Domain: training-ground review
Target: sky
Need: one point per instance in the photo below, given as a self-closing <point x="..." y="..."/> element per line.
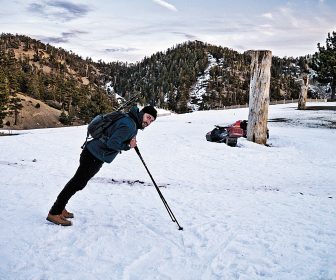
<point x="130" y="30"/>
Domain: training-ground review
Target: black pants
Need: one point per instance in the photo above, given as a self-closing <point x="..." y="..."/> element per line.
<point x="88" y="167"/>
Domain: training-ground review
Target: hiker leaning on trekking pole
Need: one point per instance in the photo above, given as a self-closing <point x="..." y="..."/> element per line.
<point x="120" y="136"/>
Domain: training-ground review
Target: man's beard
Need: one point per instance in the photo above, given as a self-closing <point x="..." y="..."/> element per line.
<point x="144" y="125"/>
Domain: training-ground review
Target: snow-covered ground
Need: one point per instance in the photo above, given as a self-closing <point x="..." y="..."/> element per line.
<point x="248" y="212"/>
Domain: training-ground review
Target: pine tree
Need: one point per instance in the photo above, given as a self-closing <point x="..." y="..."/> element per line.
<point x="14" y="107"/>
<point x="324" y="62"/>
<point x="4" y="96"/>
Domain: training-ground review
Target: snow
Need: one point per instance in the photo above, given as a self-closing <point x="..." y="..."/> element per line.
<point x="198" y="90"/>
<point x="248" y="212"/>
<point x="110" y="91"/>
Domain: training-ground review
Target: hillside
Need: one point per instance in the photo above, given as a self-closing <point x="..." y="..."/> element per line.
<point x="39" y="58"/>
<point x="34" y="114"/>
<point x="190" y="76"/>
<point x="51" y="75"/>
<point x="167" y="79"/>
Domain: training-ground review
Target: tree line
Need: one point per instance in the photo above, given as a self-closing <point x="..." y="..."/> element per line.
<point x="76" y="85"/>
<point x="51" y="75"/>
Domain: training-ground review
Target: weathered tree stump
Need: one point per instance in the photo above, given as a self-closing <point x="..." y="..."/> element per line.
<point x="303" y="93"/>
<point x="259" y="95"/>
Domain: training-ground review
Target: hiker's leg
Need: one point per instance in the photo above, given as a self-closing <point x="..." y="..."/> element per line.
<point x="88" y="167"/>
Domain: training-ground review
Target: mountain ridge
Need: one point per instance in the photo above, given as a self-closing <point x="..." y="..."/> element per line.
<point x="165" y="79"/>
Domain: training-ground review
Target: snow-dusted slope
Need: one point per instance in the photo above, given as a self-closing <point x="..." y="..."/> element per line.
<point x="198" y="90"/>
<point x="250" y="212"/>
<point x="110" y="91"/>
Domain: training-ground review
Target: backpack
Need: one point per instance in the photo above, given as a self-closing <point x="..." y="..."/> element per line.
<point x="218" y="134"/>
<point x="98" y="125"/>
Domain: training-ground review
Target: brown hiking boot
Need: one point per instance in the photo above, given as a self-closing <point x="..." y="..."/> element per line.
<point x="67" y="215"/>
<point x="58" y="220"/>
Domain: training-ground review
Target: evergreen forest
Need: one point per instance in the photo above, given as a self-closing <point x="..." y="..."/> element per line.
<point x="77" y="86"/>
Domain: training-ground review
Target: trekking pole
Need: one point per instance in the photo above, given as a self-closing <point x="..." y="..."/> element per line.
<point x="158" y="190"/>
<point x="134" y="98"/>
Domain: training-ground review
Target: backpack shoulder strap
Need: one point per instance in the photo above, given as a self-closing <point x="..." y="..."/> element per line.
<point x="110" y="119"/>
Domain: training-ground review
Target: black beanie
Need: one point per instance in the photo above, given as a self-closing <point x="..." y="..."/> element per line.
<point x="150" y="110"/>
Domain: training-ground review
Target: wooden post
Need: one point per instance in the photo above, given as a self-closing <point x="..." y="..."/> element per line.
<point x="259" y="96"/>
<point x="303" y="93"/>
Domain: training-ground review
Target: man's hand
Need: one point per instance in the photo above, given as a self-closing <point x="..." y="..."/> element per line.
<point x="133" y="143"/>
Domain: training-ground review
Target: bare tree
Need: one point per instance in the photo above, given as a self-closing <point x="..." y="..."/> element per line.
<point x="259" y="95"/>
<point x="303" y="93"/>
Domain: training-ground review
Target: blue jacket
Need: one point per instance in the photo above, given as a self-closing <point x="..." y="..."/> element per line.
<point x="119" y="135"/>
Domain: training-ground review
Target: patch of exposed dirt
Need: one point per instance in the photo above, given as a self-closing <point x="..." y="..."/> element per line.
<point x="34" y="116"/>
<point x="20" y="52"/>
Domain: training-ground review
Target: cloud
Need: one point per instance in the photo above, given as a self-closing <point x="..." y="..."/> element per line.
<point x="165" y="5"/>
<point x="112" y="50"/>
<point x="64" y="38"/>
<point x="59" y="10"/>
<point x="267" y="15"/>
<point x="186" y="35"/>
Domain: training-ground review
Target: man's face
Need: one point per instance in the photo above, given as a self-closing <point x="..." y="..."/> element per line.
<point x="147" y="120"/>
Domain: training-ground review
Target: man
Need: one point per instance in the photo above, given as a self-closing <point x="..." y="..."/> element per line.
<point x="121" y="136"/>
